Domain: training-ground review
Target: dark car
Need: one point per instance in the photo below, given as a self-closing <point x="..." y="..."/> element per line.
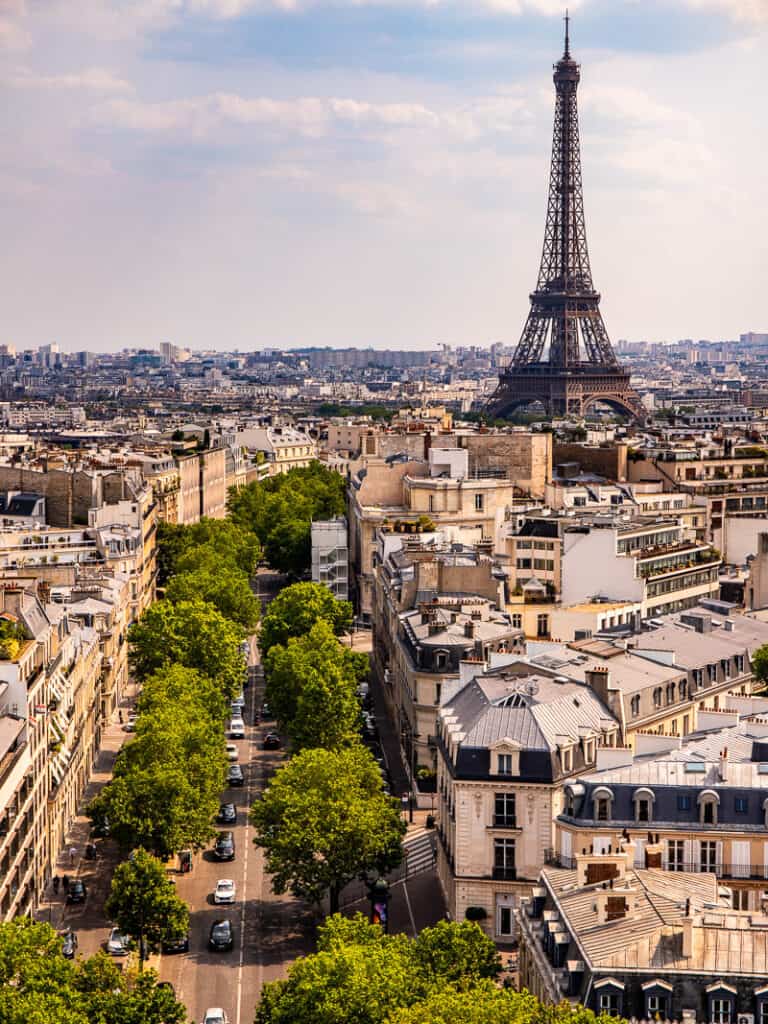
<point x="100" y="828"/>
<point x="272" y="741"/>
<point x="266" y="714"/>
<point x="76" y="892"/>
<point x="68" y="944"/>
<point x="176" y="944"/>
<point x="224" y="847"/>
<point x="227" y="814"/>
<point x="222" y="936"/>
<point x="235" y="775"/>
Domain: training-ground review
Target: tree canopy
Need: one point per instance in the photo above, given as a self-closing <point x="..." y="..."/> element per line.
<point x="144" y="905"/>
<point x="759" y="661"/>
<point x="446" y="975"/>
<point x="190" y="633"/>
<point x="226" y="587"/>
<point x="323" y="820"/>
<point x="296" y="609"/>
<point x="181" y="548"/>
<point x="177" y="686"/>
<point x="39" y="986"/>
<point x="311" y="689"/>
<point x="280" y="511"/>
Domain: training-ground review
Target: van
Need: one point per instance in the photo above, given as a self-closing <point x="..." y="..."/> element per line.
<point x="237" y="729"/>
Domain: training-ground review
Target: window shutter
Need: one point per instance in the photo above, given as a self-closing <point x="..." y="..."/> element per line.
<point x="688" y="860"/>
<point x="719" y="858"/>
<point x="600" y="844"/>
<point x="566" y="847"/>
<point x="639" y="853"/>
<point x="765" y="860"/>
<point x="696" y="851"/>
<point x="740" y="857"/>
<point x="665" y="855"/>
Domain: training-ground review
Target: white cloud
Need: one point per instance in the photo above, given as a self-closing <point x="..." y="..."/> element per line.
<point x="631" y="106"/>
<point x="741" y="10"/>
<point x="13" y="35"/>
<point x="93" y="79"/>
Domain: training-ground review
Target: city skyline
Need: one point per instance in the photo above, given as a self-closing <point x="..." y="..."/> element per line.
<point x="231" y="174"/>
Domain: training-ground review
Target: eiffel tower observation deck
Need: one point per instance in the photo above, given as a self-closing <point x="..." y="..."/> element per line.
<point x="565" y="359"/>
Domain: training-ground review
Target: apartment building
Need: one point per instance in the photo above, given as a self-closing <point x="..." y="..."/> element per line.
<point x="507" y="741"/>
<point x="648" y="561"/>
<point x="642" y="944"/>
<point x="443" y="493"/>
<point x="699" y="805"/>
<point x="330" y="556"/>
<point x="283" y="448"/>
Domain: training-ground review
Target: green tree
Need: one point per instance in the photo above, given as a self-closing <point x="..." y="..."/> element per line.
<point x="190" y="633"/>
<point x="171" y="543"/>
<point x="144" y="905"/>
<point x="180" y="687"/>
<point x="38" y="986"/>
<point x="179" y="547"/>
<point x="311" y="689"/>
<point x="288" y="546"/>
<point x="760" y="664"/>
<point x="454" y="953"/>
<point x="297" y="608"/>
<point x="482" y="1003"/>
<point x="226" y="588"/>
<point x="323" y="820"/>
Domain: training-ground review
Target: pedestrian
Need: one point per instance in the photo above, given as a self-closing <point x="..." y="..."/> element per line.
<point x="56" y="882"/>
<point x="72" y="856"/>
<point x="120" y="717"/>
<point x="65" y="881"/>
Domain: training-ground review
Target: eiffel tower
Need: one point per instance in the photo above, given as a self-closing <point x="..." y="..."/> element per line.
<point x="564" y="358"/>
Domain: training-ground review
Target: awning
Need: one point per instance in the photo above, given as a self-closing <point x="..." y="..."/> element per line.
<point x="62" y="721"/>
<point x="56" y="685"/>
<point x="56" y="771"/>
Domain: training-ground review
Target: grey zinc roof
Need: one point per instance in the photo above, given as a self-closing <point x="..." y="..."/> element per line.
<point x="537" y="721"/>
<point x="725" y="941"/>
<point x="691" y="649"/>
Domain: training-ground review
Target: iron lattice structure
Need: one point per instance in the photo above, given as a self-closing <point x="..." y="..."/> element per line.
<point x="564" y="358"/>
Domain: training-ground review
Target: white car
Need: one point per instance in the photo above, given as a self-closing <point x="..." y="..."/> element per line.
<point x="117" y="943"/>
<point x="215" y="1015"/>
<point x="225" y="891"/>
<point x="239" y="702"/>
<point x="232" y="753"/>
<point x="237" y="729"/>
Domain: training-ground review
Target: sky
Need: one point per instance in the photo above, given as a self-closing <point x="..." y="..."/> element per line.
<point x="236" y="174"/>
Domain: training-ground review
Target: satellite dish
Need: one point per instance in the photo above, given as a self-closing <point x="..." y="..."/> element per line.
<point x="531" y="688"/>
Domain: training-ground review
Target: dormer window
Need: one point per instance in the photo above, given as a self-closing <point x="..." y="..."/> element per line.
<point x="441" y="660"/>
<point x="505" y="758"/>
<point x="602" y="802"/>
<point x="708" y="802"/>
<point x="566" y="758"/>
<point x="589" y="751"/>
<point x="643" y="801"/>
<point x="634" y="705"/>
<point x="504" y="764"/>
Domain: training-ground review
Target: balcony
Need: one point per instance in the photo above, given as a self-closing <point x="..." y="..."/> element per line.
<point x="504" y="821"/>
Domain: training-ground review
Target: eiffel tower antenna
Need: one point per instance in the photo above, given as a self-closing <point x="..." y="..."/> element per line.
<point x="564" y="358"/>
<point x="567" y="50"/>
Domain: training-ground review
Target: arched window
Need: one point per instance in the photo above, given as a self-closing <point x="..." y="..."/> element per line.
<point x="670" y="693"/>
<point x="708" y="802"/>
<point x="634" y="705"/>
<point x="657" y="697"/>
<point x="441" y="659"/>
<point x="602" y="803"/>
<point x="643" y="800"/>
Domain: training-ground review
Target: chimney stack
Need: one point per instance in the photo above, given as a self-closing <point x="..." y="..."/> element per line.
<point x="724" y="764"/>
<point x="469" y="630"/>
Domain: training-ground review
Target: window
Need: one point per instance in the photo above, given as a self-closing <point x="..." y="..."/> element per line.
<point x="505" y="764"/>
<point x="656" y="1006"/>
<point x="675" y="855"/>
<point x="566" y="759"/>
<point x="524" y="563"/>
<point x="721" y="1011"/>
<point x="643" y="810"/>
<point x="504" y="859"/>
<point x="657" y="697"/>
<point x="431" y="503"/>
<point x="683" y="689"/>
<point x="712" y="673"/>
<point x="740" y="900"/>
<point x="608" y="1002"/>
<point x="741" y="805"/>
<point x="506" y="922"/>
<point x="579" y="501"/>
<point x="762" y="1012"/>
<point x="634" y="705"/>
<point x="739" y="658"/>
<point x="438" y="692"/>
<point x="589" y="751"/>
<point x="697" y="677"/>
<point x="603" y="809"/>
<point x="671" y="693"/>
<point x="504" y="810"/>
<point x="517" y="621"/>
<point x="479" y="502"/>
<point x="542" y="625"/>
<point x="708" y="860"/>
<point x="708" y="808"/>
<point x="683" y="803"/>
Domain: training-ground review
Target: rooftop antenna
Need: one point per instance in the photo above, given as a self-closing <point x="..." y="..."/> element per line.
<point x="567" y="20"/>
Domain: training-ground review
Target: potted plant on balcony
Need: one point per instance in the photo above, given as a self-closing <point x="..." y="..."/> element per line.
<point x="476" y="913"/>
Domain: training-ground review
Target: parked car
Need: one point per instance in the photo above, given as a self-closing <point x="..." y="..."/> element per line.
<point x="232" y="752"/>
<point x="235" y="775"/>
<point x="239" y="701"/>
<point x="77" y="891"/>
<point x="227" y="814"/>
<point x="225" y="891"/>
<point x="224" y="847"/>
<point x="266" y="714"/>
<point x="215" y="1015"/>
<point x="177" y="944"/>
<point x="272" y="741"/>
<point x="130" y="724"/>
<point x="237" y="729"/>
<point x="222" y="937"/>
<point x="117" y="943"/>
<point x="68" y="944"/>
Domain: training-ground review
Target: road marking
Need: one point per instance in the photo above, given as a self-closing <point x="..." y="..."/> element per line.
<point x="243" y="895"/>
<point x="408" y="904"/>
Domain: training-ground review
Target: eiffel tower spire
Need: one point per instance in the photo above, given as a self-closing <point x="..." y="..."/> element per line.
<point x="564" y="346"/>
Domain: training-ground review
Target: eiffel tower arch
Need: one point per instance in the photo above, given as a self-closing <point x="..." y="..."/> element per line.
<point x="564" y="358"/>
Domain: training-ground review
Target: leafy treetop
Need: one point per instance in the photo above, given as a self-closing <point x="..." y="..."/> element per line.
<point x="296" y="609"/>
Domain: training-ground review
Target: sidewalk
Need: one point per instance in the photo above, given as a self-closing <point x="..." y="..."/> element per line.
<point x="97" y="874"/>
